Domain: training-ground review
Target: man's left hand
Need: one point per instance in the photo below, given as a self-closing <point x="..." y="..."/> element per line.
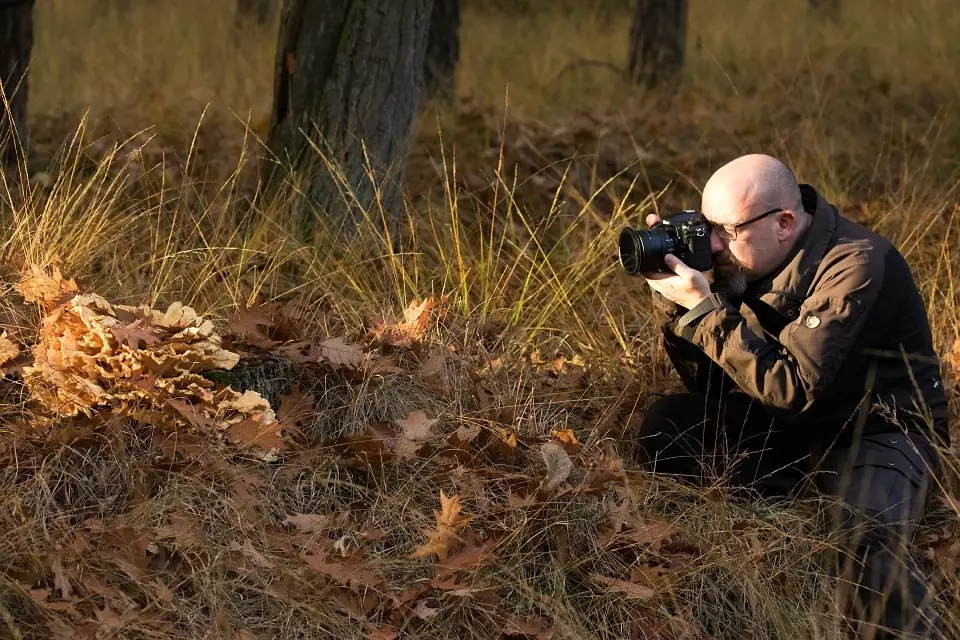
<point x="686" y="287"/>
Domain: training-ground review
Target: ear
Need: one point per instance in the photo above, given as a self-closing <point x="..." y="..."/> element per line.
<point x="786" y="224"/>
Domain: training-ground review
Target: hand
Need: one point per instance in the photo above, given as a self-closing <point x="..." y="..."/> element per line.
<point x="686" y="287"/>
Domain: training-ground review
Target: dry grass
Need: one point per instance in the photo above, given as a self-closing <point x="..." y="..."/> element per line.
<point x="516" y="194"/>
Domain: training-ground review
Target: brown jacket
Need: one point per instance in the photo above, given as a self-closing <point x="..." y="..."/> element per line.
<point x="836" y="334"/>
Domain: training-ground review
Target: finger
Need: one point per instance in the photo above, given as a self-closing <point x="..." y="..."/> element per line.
<point x="652" y="219"/>
<point x="677" y="266"/>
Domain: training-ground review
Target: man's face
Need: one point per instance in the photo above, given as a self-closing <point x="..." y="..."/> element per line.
<point x="742" y="255"/>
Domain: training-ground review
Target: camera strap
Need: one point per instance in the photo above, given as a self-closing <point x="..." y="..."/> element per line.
<point x="705" y="306"/>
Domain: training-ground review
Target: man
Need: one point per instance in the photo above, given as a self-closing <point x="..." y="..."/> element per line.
<point x="809" y="363"/>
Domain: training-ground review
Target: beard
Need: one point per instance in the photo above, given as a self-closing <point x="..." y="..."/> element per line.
<point x="729" y="276"/>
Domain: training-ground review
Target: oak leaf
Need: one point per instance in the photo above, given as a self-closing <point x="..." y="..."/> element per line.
<point x="133" y="334"/>
<point x="629" y="589"/>
<point x="310" y="522"/>
<point x="46" y="289"/>
<point x="338" y="353"/>
<point x="350" y="573"/>
<point x="254" y="325"/>
<point x="558" y="464"/>
<point x="416" y="426"/>
<point x="449" y="522"/>
<point x="405" y="333"/>
<point x="566" y="439"/>
<point x="8" y="349"/>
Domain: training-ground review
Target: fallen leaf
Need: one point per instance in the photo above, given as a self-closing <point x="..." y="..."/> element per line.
<point x="132" y="335"/>
<point x="423" y="611"/>
<point x="416" y="317"/>
<point x="183" y="529"/>
<point x="254" y="325"/>
<point x="248" y="551"/>
<point x="296" y="408"/>
<point x="567" y="440"/>
<point x="349" y="574"/>
<point x="8" y="349"/>
<point x="449" y="522"/>
<point x="338" y="353"/>
<point x="46" y="289"/>
<point x="163" y="591"/>
<point x="535" y="628"/>
<point x="309" y="522"/>
<point x="244" y="634"/>
<point x="629" y="589"/>
<point x="60" y="580"/>
<point x="416" y="426"/>
<point x="558" y="464"/>
<point x="472" y="554"/>
<point x="251" y="432"/>
<point x="384" y="633"/>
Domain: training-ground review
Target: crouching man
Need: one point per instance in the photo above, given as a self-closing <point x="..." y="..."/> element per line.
<point x="809" y="365"/>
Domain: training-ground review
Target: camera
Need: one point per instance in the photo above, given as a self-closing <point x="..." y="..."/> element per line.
<point x="686" y="235"/>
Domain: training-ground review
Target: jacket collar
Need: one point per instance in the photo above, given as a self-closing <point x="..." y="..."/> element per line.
<point x="789" y="285"/>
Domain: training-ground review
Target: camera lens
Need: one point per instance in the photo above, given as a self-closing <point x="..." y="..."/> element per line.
<point x="643" y="251"/>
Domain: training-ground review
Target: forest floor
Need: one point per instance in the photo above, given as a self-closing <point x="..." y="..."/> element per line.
<point x="445" y="445"/>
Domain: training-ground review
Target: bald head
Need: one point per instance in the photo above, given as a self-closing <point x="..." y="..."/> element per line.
<point x="752" y="182"/>
<point x="746" y="244"/>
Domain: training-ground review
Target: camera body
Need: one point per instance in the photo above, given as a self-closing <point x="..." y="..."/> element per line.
<point x="685" y="235"/>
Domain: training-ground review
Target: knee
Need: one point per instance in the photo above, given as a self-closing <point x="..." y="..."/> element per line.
<point x="666" y="423"/>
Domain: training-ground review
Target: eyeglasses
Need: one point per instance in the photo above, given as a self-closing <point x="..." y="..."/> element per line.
<point x="729" y="232"/>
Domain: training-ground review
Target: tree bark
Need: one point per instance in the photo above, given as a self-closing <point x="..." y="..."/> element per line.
<point x="349" y="79"/>
<point x="16" y="44"/>
<point x="443" y="50"/>
<point x="658" y="37"/>
<point x="829" y="9"/>
<point x="259" y="11"/>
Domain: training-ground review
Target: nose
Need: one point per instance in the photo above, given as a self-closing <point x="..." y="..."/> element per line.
<point x="716" y="244"/>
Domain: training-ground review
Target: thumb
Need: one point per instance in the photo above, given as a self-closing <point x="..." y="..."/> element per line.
<point x="677" y="266"/>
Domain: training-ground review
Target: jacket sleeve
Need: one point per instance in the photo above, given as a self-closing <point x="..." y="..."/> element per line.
<point x="698" y="373"/>
<point x="789" y="379"/>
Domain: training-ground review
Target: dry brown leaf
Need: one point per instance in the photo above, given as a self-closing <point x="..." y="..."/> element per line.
<point x="566" y="439"/>
<point x="254" y="325"/>
<point x="244" y="634"/>
<point x="253" y="432"/>
<point x="416" y="426"/>
<point x="629" y="589"/>
<point x="535" y="628"/>
<point x="384" y="633"/>
<point x="132" y="335"/>
<point x="449" y="522"/>
<point x="405" y="333"/>
<point x="250" y="552"/>
<point x="46" y="289"/>
<point x="296" y="407"/>
<point x="350" y="573"/>
<point x="338" y="353"/>
<point x="8" y="349"/>
<point x="183" y="530"/>
<point x="60" y="580"/>
<point x="558" y="464"/>
<point x="423" y="611"/>
<point x="472" y="554"/>
<point x="313" y="523"/>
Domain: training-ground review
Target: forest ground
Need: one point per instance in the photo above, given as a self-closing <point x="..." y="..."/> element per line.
<point x="463" y="467"/>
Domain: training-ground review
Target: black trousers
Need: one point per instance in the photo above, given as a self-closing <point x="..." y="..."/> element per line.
<point x="878" y="489"/>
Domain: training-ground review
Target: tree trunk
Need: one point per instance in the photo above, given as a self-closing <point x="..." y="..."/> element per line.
<point x="829" y="9"/>
<point x="349" y="76"/>
<point x="658" y="38"/>
<point x="259" y="11"/>
<point x="443" y="50"/>
<point x="16" y="43"/>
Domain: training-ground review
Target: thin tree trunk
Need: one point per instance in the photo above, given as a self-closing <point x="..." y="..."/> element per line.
<point x="443" y="50"/>
<point x="658" y="39"/>
<point x="16" y="44"/>
<point x="259" y="11"/>
<point x="349" y="78"/>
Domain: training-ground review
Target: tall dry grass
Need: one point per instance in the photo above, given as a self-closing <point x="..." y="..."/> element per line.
<point x="516" y="194"/>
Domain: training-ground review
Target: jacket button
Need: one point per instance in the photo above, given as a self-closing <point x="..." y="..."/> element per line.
<point x="791" y="312"/>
